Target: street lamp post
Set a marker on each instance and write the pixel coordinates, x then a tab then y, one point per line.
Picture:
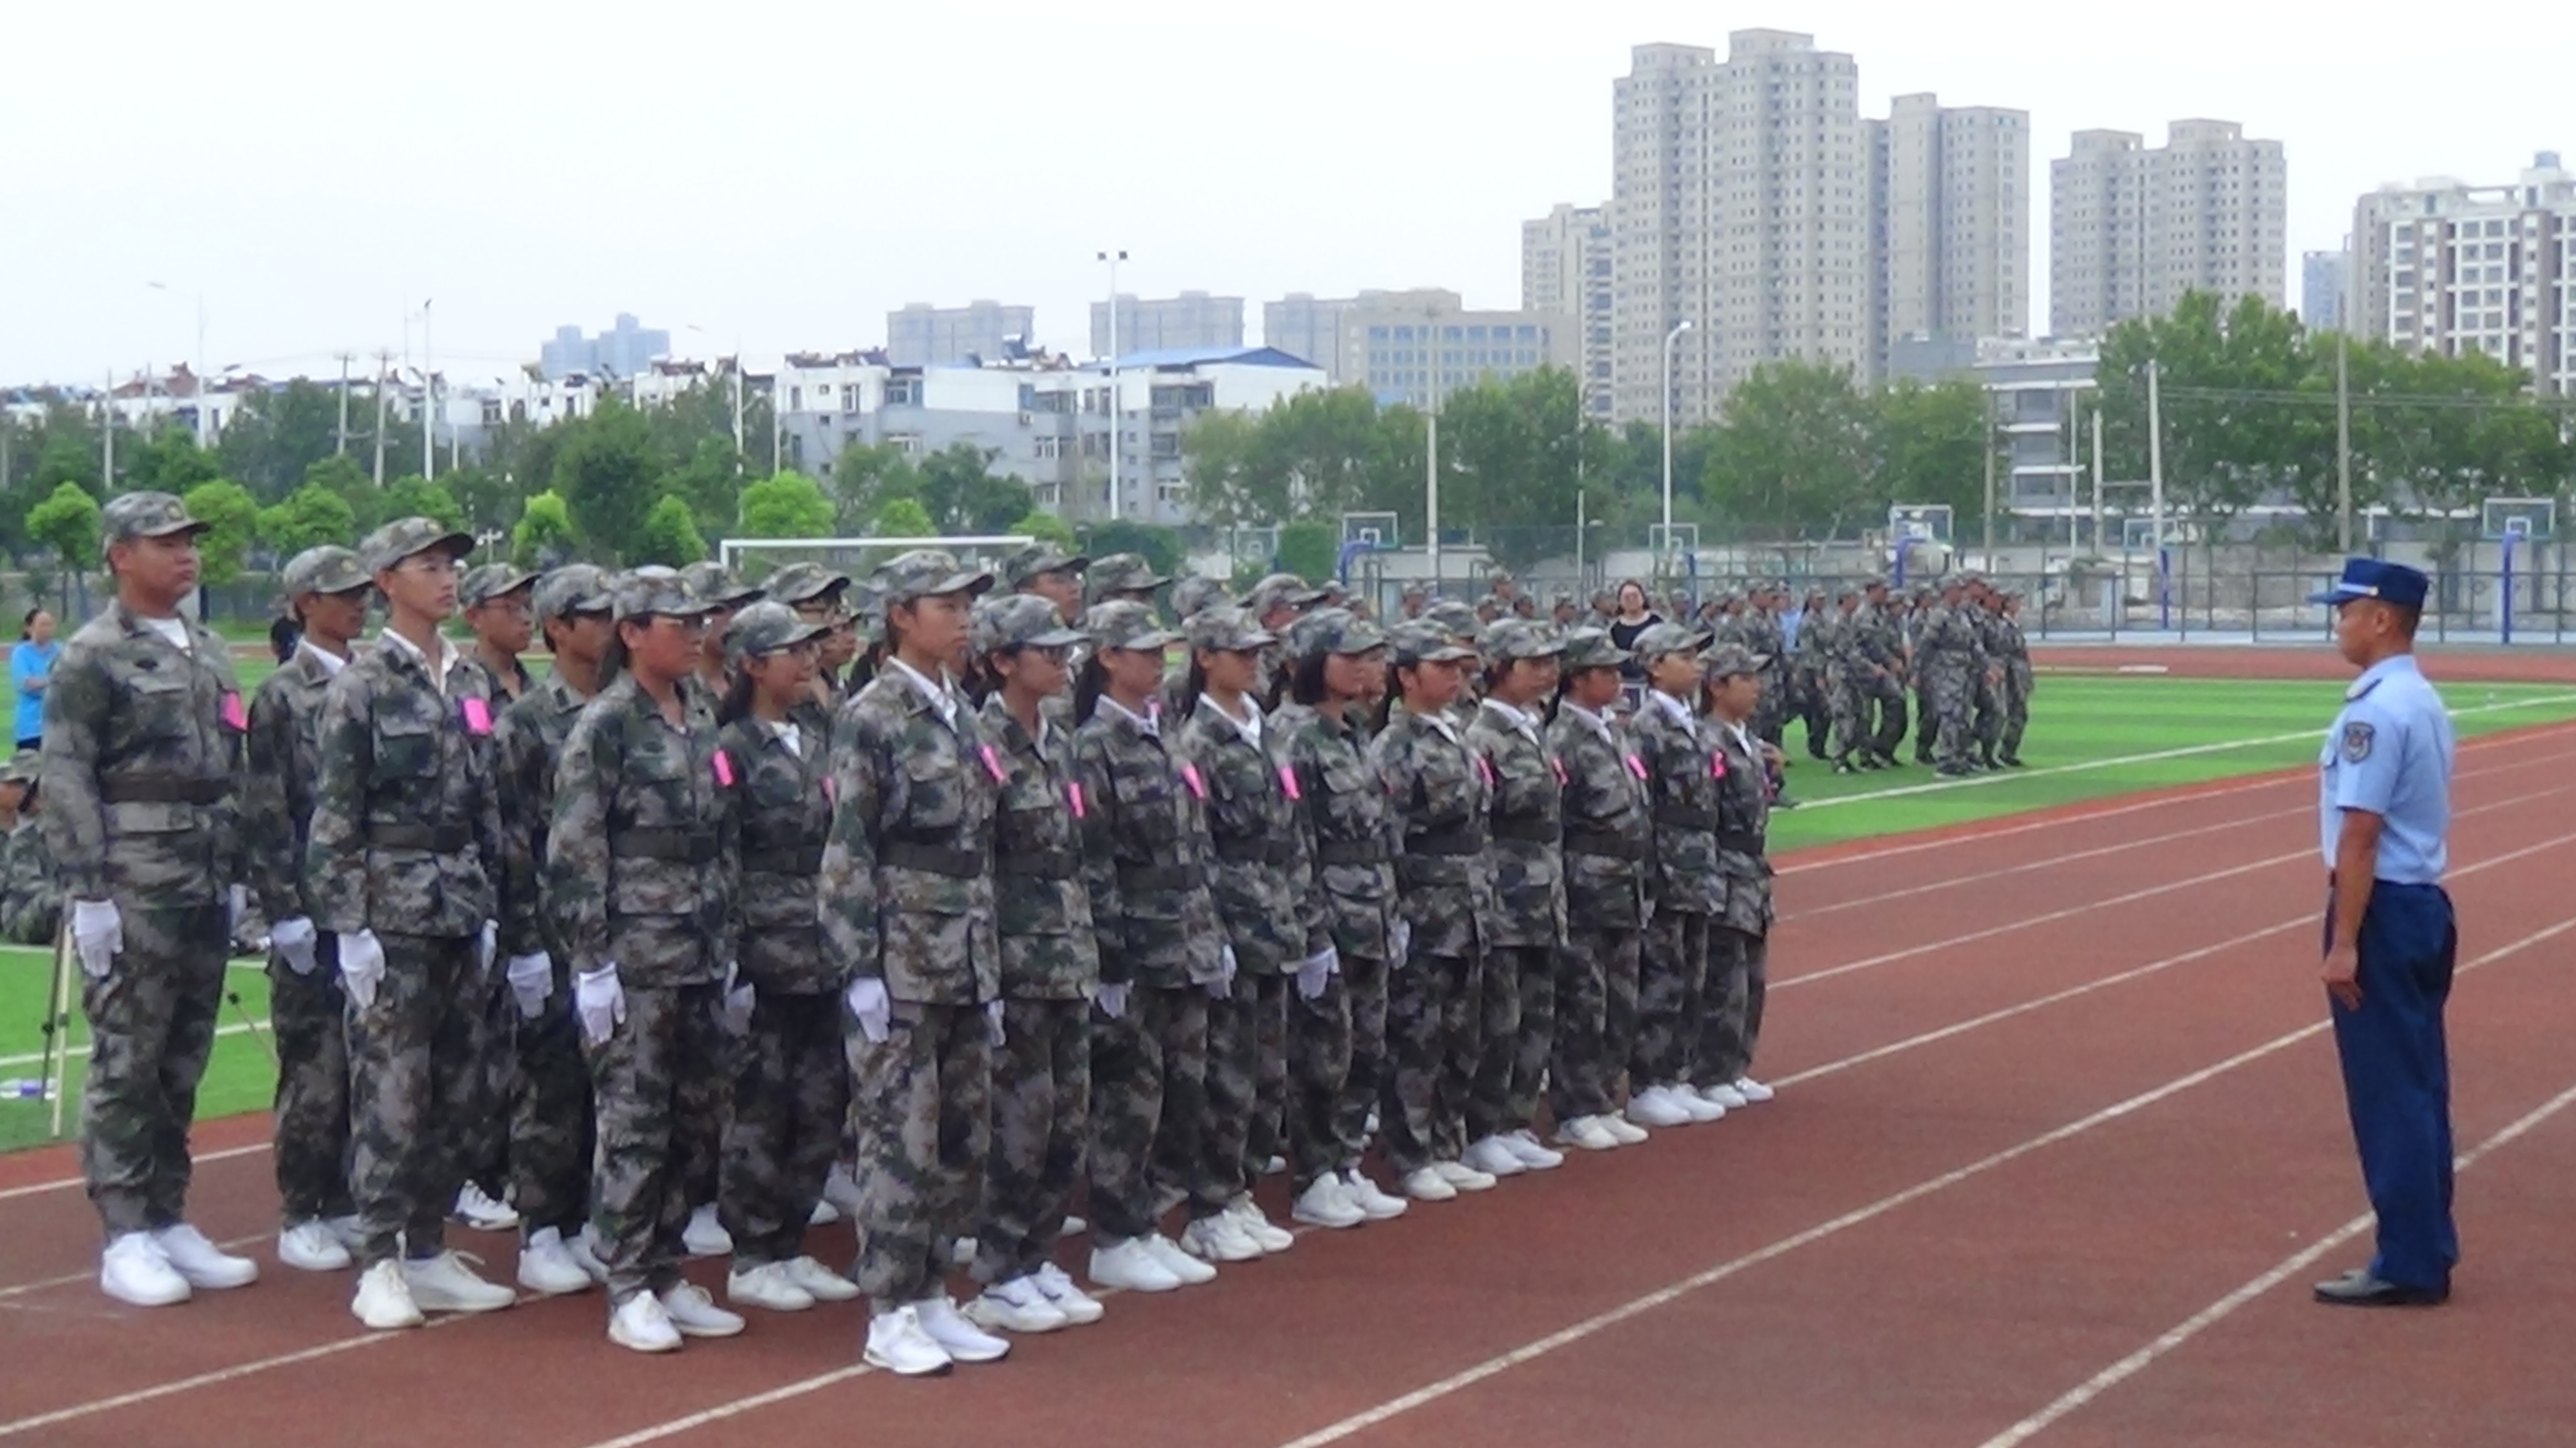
1671	337
196	361
737	394
1431	447
428	400
1113	258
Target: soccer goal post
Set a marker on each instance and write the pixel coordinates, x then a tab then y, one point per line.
755	558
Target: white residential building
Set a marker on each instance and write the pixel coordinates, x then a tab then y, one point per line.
1950	218
1566	271
2448	268
2131	229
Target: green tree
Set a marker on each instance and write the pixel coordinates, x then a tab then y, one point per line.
413	496
608	473
543	536
232	519
310	517
964	495
668	536
171	462
1161	546
2224	371
1929	444
710	478
1509	453
1311	550
67	522
902	518
277	436
790	505
67	451
1791	454
1045	527
867	477
1315	454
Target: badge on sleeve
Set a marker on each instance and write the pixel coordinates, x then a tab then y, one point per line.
2356	742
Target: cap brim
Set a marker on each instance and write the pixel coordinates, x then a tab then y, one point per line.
1452	654
1146	643
2343	593
190	528
1056	638
454	545
966	583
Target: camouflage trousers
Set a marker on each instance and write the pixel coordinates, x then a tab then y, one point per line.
1949	712
1364	985
1542	971
1596	1022
152	1025
1672	986
1885	696
1041	1128
551	1139
921	1108
653	1086
484	1152
307	1020
1988	701
1247	1089
1731	1019
1927	724
791	1092
1516	993
1434	1009
1319	1070
2017	682
1148	1089
1849	705
412	1078
1811	701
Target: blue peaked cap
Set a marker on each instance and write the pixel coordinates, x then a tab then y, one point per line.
2373	578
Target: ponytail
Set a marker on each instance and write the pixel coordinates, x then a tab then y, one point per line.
612	657
1386	706
736	704
1303	683
1193	684
1089	683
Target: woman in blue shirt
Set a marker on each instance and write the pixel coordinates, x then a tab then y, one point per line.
31	668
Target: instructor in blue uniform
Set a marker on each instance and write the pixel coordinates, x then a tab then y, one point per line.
2384	808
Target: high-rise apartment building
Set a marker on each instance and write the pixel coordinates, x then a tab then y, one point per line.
1566	270
1951	223
1162	324
1408	347
2131	229
2447	268
2322	278
922	335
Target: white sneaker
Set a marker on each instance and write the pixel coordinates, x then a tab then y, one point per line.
1275	1166
1181	1264
1016	1306
1131	1266
1464	1177
1254	1224
1375	1202
1426	1184
640	1323
1725	1094
1327	1204
961	1251
768	1286
1753	1092
1073	1227
1524	1147
897	1344
1657	1106
445	1284
820	1282
204	1265
695	1314
842	1190
308	1246
348	1232
1586	1133
584	1249
705	1236
1218	1239
132	1270
963	1341
1621	1129
1492	1158
1078	1306
1700	1107
546	1265
384	1298
475	1209
823	1215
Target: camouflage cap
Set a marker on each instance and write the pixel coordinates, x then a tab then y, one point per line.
657	592
1281	590
409	537
1019	621
488	581
711	581
1126	624
804	582
1518	638
1667	638
24	767
1334	631
1561	599
129	516
1455	616
765	628
327	569
1120	573
1229	630
1424	642
925	573
1875	580
1197	594
573	588
1723	660
1029	560
1592	648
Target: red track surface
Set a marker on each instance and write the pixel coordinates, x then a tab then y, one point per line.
2046	1104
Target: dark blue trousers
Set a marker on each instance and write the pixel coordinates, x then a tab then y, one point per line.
2397	1079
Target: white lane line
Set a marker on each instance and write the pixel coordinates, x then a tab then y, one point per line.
213	1378
67	1183
32	1058
1639	1306
2084	1393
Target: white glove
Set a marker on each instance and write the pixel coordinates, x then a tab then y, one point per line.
292	939
487	947
1400	940
738	998
532	979
1315	970
599	998
98	934
994	1035
362	966
873	1007
1112	999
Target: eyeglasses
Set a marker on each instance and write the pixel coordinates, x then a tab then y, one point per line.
1059	655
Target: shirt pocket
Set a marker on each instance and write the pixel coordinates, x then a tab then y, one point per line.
406	746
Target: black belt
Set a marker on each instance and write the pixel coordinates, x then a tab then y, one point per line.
1674	817
1350	852
437	839
946	860
787	860
1741	842
1039	864
1608	846
1261	851
676	847
162	789
1447	843
1536	831
1146	879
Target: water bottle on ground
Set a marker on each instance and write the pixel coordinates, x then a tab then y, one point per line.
27	1088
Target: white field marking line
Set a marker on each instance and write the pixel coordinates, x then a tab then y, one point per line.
2131	898
1639	1306
2186	751
91	1274
66	1183
2005	871
83	1049
2309	921
2208	1317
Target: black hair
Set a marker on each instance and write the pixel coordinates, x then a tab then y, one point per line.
612	658
1193	684
27	625
1088	684
979	681
736	703
1303	683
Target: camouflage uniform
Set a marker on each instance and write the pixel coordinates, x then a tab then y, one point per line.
1608	831
1120	575
1760	632
1879	680
1681	876
1145	844
1952	666
1517	1001
405	842
1917	616
641	873
1836	639
2012	646
1437	801
1731	1024
907	897
142	752
1810	686
791	1088
31	903
1261	878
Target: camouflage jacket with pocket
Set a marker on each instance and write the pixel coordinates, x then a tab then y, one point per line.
1349	833
1437	800
529	743
1609	825
781	817
1681	794
1145	854
1260	871
284	752
907	888
406	830
1526	822
641	864
1743	825
1044	910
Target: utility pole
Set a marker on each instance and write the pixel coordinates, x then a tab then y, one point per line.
2156	458
2097	478
1989	450
107	438
342	447
2343	441
384	362
1431	450
428	399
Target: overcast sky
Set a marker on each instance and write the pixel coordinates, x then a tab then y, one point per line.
785	174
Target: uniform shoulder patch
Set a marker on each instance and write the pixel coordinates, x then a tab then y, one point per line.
2358	736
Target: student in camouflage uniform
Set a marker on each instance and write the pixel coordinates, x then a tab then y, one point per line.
1517	994
1337	1027
495	599
1731	1021
1881	636
550	1120
1145	839
31	903
907	897
1608	830
640	876
403	868
1122	578
1681	880
819	596
2013	648
1810	693
1759	631
1050	969
790	1086
1262	882
142	754
1835	638
1047	571
1952	665
326	594
1986	721
1915	614
1437	803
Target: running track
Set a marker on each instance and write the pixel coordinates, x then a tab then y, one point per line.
2058	1151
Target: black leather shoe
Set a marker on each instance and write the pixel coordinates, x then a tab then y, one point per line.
2360	1289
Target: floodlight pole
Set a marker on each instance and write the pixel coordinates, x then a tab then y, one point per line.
2343	441
1671	337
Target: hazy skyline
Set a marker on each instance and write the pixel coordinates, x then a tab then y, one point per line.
787	175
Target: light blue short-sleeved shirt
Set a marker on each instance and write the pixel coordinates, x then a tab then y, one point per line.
2390	753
